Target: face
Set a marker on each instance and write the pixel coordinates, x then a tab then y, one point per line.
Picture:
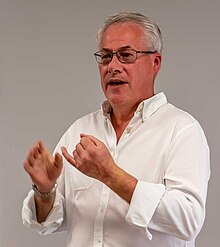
128	84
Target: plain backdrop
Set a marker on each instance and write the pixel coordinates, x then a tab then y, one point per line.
49	78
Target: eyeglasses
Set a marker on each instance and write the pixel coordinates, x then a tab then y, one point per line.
123	55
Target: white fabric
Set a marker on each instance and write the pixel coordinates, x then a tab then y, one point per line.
166	150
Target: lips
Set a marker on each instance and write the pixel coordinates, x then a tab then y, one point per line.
116	83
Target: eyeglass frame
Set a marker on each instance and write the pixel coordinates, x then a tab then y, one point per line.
96	54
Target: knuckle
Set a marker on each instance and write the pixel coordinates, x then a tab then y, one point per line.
82	140
92	152
85	156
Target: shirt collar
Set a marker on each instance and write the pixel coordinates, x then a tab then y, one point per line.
106	108
151	105
146	107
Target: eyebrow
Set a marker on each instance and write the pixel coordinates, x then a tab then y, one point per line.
120	48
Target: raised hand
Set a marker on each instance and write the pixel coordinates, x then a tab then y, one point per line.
42	167
91	157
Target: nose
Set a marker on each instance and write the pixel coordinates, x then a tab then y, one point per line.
115	66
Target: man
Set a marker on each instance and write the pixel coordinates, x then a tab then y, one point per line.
134	173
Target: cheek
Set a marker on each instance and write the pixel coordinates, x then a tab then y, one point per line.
100	69
102	76
102	72
142	78
138	75
144	72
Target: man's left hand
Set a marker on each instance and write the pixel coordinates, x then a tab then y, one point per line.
91	157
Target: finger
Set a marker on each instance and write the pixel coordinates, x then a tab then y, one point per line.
68	157
36	151
80	149
58	160
27	166
41	146
92	139
77	158
31	158
86	143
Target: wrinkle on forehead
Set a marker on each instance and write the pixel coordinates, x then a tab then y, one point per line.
126	34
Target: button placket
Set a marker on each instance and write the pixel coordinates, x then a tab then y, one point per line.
98	227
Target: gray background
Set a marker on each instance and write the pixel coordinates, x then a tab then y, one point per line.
49	78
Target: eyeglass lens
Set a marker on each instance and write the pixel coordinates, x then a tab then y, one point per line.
124	56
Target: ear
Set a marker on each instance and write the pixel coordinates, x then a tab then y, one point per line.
157	62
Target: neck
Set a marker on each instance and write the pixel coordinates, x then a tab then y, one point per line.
120	119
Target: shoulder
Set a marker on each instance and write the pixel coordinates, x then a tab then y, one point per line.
175	121
182	123
89	118
177	116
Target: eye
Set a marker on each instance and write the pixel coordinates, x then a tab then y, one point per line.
106	55
127	55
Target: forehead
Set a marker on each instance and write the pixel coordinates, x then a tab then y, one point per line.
123	34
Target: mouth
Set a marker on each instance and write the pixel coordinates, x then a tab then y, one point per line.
116	83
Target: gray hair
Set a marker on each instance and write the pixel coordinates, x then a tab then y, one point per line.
152	31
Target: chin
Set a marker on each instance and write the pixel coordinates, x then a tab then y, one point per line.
117	101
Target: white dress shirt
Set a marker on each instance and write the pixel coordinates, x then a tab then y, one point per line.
166	150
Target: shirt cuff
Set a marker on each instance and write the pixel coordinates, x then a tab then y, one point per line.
53	220
144	202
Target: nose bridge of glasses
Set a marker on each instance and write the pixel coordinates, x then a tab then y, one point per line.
116	54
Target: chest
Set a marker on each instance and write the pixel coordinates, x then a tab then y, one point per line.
141	150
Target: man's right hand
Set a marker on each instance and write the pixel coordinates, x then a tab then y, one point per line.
42	167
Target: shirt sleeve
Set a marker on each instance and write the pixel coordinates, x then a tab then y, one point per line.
176	207
144	201
55	220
